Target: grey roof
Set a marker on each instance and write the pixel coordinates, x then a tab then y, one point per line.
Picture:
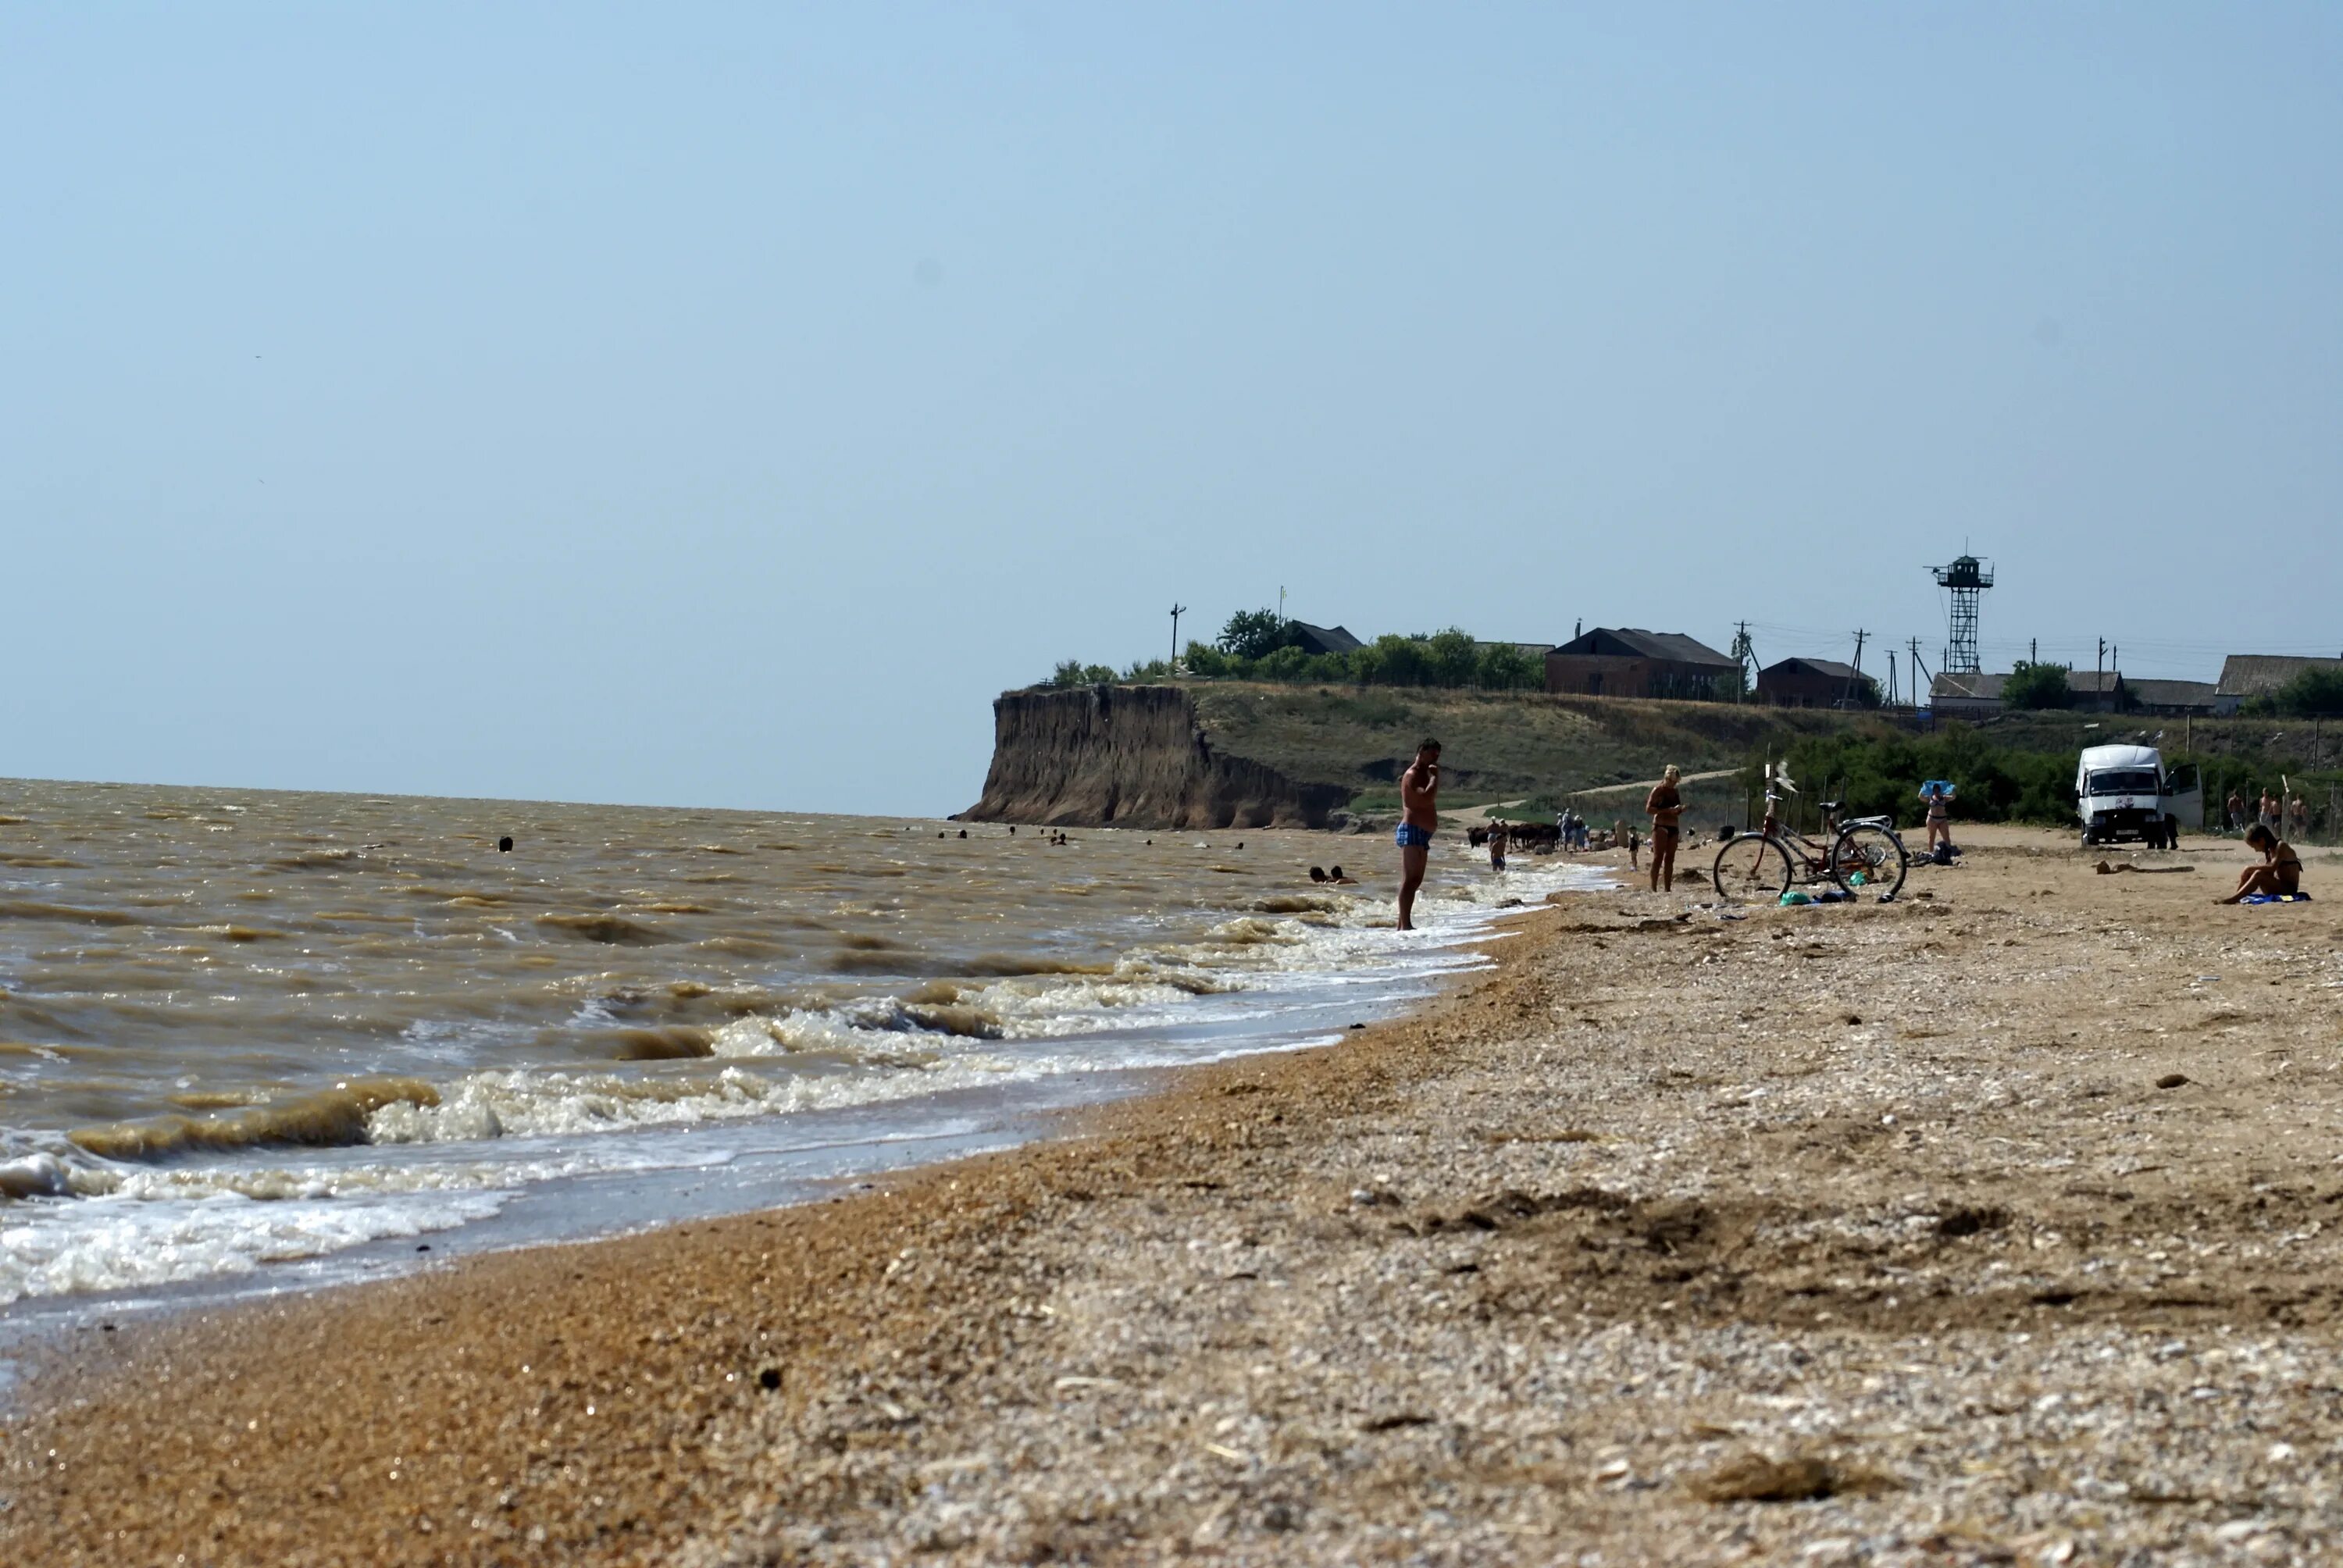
2253	674
1326	639
1631	642
1974	687
1829	667
1535	649
2094	683
2172	693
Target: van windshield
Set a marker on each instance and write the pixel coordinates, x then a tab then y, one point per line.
2124	781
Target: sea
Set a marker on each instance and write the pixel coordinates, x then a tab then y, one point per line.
256	1041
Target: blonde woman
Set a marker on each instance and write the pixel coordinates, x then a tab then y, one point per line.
1664	804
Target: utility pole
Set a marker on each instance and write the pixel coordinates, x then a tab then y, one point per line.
2033	650
1745	653
1856	683
1178	610
2103	659
1281	604
1891	678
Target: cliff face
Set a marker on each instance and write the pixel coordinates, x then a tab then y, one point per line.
1131	756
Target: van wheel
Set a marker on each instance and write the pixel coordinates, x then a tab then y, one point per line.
2090	839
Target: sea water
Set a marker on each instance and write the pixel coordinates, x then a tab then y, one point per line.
244	1034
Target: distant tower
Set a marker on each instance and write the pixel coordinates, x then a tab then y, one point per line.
1966	578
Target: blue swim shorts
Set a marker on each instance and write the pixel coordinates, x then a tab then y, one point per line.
1411	837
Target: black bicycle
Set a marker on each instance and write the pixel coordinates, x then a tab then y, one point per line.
1863	855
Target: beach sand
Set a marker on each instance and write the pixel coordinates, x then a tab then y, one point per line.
1888	1233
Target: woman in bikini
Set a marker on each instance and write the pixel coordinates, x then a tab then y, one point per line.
1665	804
2279	872
1940	819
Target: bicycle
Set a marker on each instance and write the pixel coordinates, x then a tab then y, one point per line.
1865	854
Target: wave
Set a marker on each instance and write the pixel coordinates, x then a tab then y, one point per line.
332	1118
18	909
611	931
673	1043
1031	964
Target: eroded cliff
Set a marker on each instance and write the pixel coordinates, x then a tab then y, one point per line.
1131	756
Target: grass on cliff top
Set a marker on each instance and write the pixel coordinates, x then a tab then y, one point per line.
1502	746
1496	745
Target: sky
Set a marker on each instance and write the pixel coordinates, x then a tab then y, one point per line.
719	405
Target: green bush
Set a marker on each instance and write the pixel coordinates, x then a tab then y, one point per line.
2036	686
1074	672
2315	693
1502	667
1876	770
1256	646
1255	634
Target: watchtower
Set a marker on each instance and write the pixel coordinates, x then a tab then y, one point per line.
1965	579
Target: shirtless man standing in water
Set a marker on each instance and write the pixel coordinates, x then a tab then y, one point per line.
1419	814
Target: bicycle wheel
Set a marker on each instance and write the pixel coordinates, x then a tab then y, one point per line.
1751	870
1868	859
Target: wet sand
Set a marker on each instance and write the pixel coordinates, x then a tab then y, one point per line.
1998	1224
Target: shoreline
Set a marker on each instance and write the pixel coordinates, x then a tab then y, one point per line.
681	1034
1679	1239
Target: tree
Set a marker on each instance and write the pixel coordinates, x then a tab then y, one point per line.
2315	693
1255	634
1395	660
2036	686
1453	656
1505	668
1205	662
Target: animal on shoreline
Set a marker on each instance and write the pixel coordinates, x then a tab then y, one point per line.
1523	835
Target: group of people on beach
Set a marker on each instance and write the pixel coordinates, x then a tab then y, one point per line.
2279	874
1419	802
2277	813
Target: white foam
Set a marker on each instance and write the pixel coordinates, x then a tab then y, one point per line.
1256	980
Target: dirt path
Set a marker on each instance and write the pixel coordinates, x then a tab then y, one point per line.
2000	1225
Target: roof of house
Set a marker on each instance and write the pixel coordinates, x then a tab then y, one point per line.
2253	674
1535	649
1830	669
2095	682
1630	643
1974	687
1326	639
2172	693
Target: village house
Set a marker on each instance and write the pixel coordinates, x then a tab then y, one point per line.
1622	661
2250	675
1314	641
2175	698
1812	683
1965	695
1979	696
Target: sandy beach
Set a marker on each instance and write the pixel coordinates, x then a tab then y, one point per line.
1998	1224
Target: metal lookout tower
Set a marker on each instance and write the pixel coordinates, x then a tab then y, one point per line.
1965	579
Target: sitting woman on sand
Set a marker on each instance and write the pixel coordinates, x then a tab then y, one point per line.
2279	872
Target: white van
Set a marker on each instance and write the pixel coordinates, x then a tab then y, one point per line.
2125	792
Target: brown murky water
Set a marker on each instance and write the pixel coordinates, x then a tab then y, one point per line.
243	1026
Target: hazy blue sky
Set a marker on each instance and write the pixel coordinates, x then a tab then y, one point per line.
722	403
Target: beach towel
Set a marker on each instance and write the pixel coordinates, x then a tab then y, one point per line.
2276	899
